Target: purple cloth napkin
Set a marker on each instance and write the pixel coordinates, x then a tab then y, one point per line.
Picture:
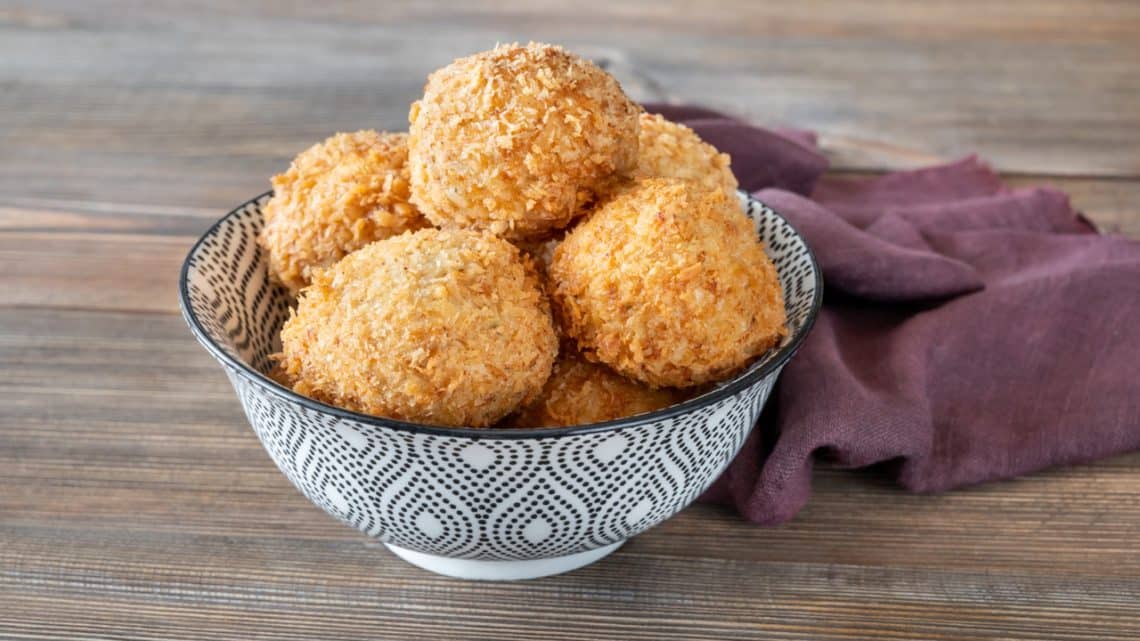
969	332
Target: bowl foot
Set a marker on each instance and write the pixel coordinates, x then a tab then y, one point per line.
502	570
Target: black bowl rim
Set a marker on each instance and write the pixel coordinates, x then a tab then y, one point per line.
493	433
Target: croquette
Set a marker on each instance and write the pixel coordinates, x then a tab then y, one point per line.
337	197
579	392
444	327
667	283
415	305
517	140
671	150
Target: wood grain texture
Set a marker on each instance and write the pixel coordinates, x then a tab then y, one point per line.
133	484
135	502
73	253
195	103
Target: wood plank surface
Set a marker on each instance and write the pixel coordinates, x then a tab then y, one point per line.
135	502
133	483
73	253
195	103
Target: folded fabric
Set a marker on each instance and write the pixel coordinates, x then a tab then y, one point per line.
970	332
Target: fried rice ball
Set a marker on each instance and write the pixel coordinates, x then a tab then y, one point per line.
672	150
337	197
667	283
445	327
579	392
517	140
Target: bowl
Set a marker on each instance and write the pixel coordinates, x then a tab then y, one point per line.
480	503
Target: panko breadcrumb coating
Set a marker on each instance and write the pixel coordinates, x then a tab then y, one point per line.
517	139
540	251
278	375
667	283
337	197
579	392
672	150
440	327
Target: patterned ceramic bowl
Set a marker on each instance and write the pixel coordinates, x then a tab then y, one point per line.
480	503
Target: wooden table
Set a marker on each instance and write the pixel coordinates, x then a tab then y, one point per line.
136	503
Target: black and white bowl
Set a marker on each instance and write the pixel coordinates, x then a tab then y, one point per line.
480	503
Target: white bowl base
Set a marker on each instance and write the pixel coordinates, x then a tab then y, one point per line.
502	570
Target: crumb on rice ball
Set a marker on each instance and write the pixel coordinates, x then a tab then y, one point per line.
668	149
667	283
435	326
579	392
517	140
337	196
540	251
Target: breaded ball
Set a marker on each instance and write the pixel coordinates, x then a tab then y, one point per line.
440	327
517	139
667	283
579	392
337	197
672	150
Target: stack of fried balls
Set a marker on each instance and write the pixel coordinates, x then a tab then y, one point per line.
535	251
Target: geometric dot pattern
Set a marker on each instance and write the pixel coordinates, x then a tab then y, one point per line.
477	494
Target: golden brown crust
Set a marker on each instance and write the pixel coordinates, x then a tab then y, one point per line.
667	283
278	374
438	327
672	150
517	139
540	251
579	392
337	196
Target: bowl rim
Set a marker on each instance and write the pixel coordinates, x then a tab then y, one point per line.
493	433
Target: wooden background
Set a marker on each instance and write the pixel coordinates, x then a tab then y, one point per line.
135	503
